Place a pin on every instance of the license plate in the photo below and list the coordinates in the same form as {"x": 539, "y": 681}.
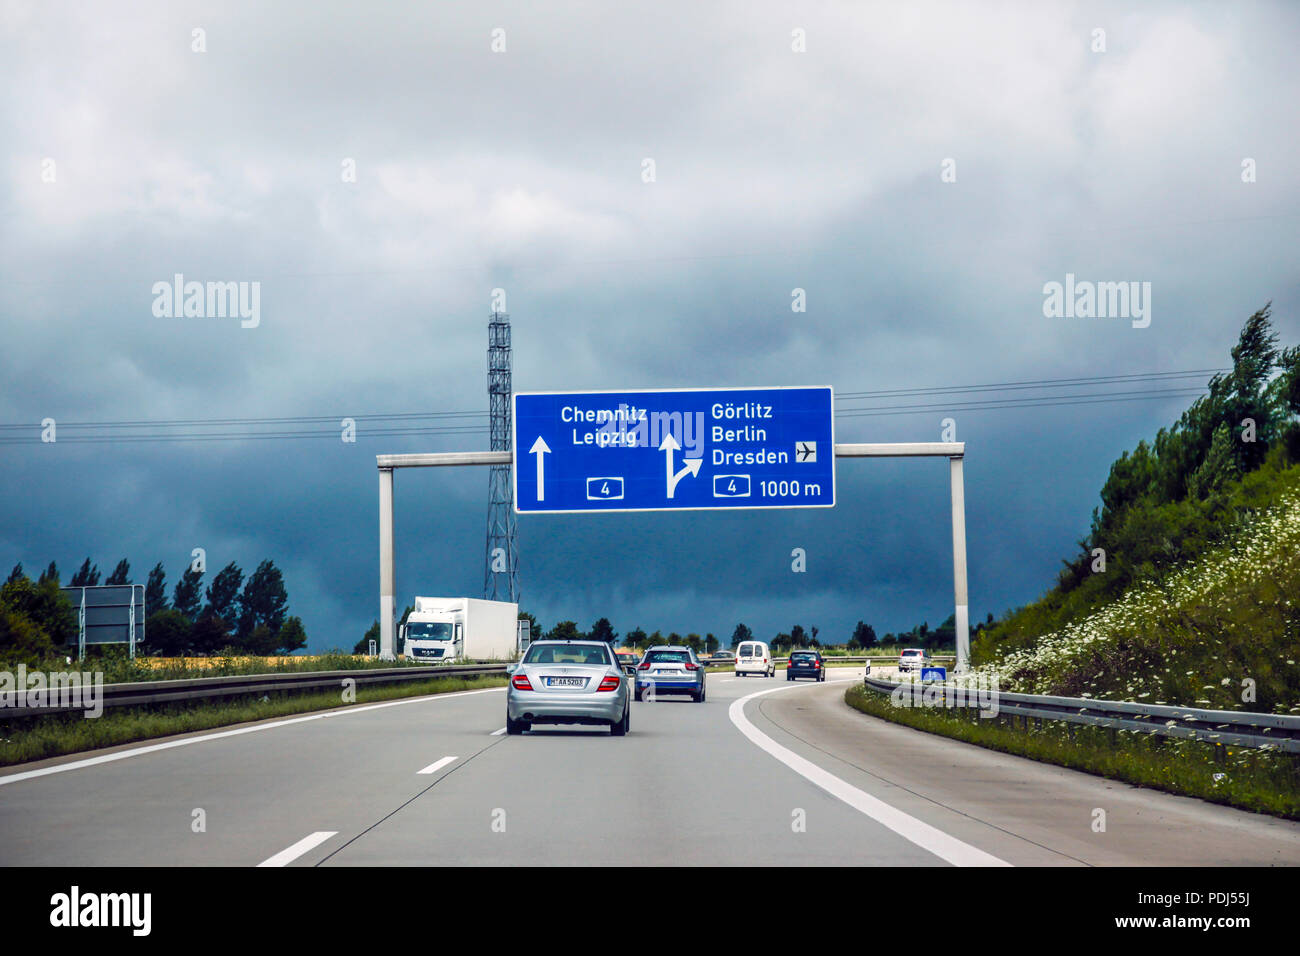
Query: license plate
{"x": 669, "y": 670}
{"x": 566, "y": 682}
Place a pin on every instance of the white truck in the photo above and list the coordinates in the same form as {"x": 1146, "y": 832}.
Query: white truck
{"x": 460, "y": 629}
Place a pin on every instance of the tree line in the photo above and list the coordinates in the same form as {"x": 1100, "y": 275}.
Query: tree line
{"x": 863, "y": 636}
{"x": 233, "y": 613}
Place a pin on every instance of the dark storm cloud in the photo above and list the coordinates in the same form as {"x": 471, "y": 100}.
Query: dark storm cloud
{"x": 522, "y": 170}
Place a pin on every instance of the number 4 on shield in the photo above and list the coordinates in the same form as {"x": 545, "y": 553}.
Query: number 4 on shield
{"x": 731, "y": 486}
{"x": 604, "y": 489}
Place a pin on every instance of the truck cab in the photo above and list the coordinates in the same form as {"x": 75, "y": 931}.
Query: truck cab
{"x": 433, "y": 635}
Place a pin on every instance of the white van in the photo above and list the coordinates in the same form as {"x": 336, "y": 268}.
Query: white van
{"x": 754, "y": 657}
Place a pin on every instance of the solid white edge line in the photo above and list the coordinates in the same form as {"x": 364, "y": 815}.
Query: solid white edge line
{"x": 437, "y": 765}
{"x": 928, "y": 838}
{"x": 288, "y": 855}
{"x": 137, "y": 751}
{"x": 497, "y": 733}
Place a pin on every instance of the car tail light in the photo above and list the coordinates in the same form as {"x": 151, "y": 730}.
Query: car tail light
{"x": 644, "y": 667}
{"x": 609, "y": 683}
{"x": 692, "y": 667}
{"x": 816, "y": 664}
{"x": 520, "y": 682}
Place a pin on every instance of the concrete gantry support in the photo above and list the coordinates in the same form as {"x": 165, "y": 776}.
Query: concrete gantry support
{"x": 387, "y": 579}
{"x": 953, "y": 451}
{"x": 387, "y": 575}
{"x": 961, "y": 620}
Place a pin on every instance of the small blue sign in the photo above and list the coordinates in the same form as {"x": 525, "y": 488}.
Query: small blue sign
{"x": 674, "y": 449}
{"x": 934, "y": 673}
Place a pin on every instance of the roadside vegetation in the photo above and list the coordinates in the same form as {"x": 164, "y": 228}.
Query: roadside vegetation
{"x": 1267, "y": 781}
{"x": 1186, "y": 590}
{"x": 118, "y": 668}
{"x": 54, "y": 735}
{"x": 38, "y": 624}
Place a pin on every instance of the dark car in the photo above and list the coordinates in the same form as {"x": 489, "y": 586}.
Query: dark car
{"x": 806, "y": 664}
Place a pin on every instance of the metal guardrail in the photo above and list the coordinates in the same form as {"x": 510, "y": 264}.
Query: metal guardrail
{"x": 1238, "y": 728}
{"x": 833, "y": 658}
{"x": 142, "y": 693}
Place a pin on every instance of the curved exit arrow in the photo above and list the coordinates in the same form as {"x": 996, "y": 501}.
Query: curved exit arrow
{"x": 669, "y": 445}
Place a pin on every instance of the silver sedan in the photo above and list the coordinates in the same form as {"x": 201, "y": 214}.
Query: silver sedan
{"x": 568, "y": 682}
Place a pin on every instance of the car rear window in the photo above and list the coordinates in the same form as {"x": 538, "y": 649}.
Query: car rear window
{"x": 803, "y": 656}
{"x": 660, "y": 657}
{"x": 911, "y": 653}
{"x": 746, "y": 650}
{"x": 574, "y": 654}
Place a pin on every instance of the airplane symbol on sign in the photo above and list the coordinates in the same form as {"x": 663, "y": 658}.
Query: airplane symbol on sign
{"x": 806, "y": 451}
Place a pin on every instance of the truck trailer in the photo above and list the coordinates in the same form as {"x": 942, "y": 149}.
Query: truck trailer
{"x": 440, "y": 630}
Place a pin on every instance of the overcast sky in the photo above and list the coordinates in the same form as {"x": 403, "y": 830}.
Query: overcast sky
{"x": 131, "y": 156}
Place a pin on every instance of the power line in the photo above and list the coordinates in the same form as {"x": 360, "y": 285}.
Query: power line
{"x": 1040, "y": 383}
{"x": 299, "y": 420}
{"x": 249, "y": 436}
{"x": 1028, "y": 403}
{"x": 457, "y": 422}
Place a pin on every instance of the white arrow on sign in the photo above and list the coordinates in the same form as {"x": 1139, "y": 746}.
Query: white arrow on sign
{"x": 669, "y": 444}
{"x": 540, "y": 448}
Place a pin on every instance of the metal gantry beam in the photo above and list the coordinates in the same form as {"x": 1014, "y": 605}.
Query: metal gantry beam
{"x": 955, "y": 452}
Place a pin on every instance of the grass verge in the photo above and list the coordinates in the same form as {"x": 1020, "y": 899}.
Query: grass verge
{"x": 118, "y": 668}
{"x": 36, "y": 738}
{"x": 1259, "y": 780}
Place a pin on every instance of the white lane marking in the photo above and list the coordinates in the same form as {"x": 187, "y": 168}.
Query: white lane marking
{"x": 727, "y": 680}
{"x": 497, "y": 733}
{"x": 123, "y": 754}
{"x": 287, "y": 856}
{"x": 928, "y": 838}
{"x": 437, "y": 765}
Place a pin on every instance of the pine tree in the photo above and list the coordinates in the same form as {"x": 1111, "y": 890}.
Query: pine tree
{"x": 86, "y": 577}
{"x": 741, "y": 633}
{"x": 187, "y": 597}
{"x": 292, "y": 636}
{"x": 223, "y": 597}
{"x": 1219, "y": 466}
{"x": 264, "y": 600}
{"x": 121, "y": 574}
{"x": 363, "y": 645}
{"x": 155, "y": 591}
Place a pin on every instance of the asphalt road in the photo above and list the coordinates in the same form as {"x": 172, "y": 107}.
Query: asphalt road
{"x": 790, "y": 776}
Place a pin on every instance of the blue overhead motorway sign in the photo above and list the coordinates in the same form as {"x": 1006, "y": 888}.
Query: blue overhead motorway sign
{"x": 674, "y": 449}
